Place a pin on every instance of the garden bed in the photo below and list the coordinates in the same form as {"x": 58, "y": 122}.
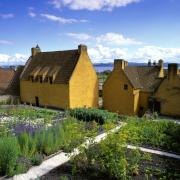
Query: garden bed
{"x": 155, "y": 167}
{"x": 160, "y": 135}
{"x": 29, "y": 136}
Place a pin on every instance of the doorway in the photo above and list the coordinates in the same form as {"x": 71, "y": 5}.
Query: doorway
{"x": 37, "y": 101}
{"x": 154, "y": 105}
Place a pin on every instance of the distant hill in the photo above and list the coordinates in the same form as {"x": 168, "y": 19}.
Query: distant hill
{"x": 109, "y": 66}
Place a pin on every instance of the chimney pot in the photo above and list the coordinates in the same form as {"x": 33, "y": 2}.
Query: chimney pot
{"x": 149, "y": 62}
{"x": 82, "y": 48}
{"x": 35, "y": 50}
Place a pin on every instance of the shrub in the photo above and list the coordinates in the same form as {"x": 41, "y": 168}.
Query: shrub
{"x": 9, "y": 151}
{"x": 108, "y": 158}
{"x": 90, "y": 114}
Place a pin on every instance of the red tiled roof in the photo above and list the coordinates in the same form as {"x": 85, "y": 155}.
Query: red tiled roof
{"x": 6, "y": 75}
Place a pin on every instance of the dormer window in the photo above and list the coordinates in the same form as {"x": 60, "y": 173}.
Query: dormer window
{"x": 50, "y": 80}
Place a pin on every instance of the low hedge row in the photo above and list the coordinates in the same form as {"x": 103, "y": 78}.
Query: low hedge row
{"x": 91, "y": 114}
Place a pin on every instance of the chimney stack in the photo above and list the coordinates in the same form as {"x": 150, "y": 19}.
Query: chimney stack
{"x": 161, "y": 66}
{"x": 172, "y": 71}
{"x": 149, "y": 62}
{"x": 120, "y": 64}
{"x": 154, "y": 63}
{"x": 35, "y": 50}
{"x": 82, "y": 48}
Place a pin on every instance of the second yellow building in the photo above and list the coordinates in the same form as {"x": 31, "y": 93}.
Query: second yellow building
{"x": 128, "y": 89}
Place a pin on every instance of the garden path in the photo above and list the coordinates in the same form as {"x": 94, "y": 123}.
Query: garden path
{"x": 152, "y": 151}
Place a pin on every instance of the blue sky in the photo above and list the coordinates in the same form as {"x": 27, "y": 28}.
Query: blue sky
{"x": 136, "y": 30}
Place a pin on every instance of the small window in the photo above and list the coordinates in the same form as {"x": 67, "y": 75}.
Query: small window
{"x": 125, "y": 87}
{"x": 40, "y": 78}
{"x": 50, "y": 80}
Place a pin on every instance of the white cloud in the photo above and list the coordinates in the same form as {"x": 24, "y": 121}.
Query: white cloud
{"x": 116, "y": 39}
{"x": 102, "y": 54}
{"x": 16, "y": 59}
{"x": 7, "y": 16}
{"x": 113, "y": 39}
{"x": 91, "y": 5}
{"x": 5, "y": 42}
{"x": 156, "y": 53}
{"x": 31, "y": 12}
{"x": 105, "y": 54}
{"x": 62, "y": 20}
{"x": 79, "y": 36}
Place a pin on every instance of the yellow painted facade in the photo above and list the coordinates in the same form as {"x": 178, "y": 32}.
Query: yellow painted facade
{"x": 115, "y": 98}
{"x": 83, "y": 85}
{"x": 50, "y": 95}
{"x": 81, "y": 91}
{"x": 168, "y": 93}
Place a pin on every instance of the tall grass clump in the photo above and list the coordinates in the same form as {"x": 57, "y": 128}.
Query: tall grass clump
{"x": 9, "y": 152}
{"x": 91, "y": 114}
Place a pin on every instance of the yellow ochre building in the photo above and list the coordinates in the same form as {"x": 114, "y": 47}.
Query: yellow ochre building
{"x": 168, "y": 93}
{"x": 132, "y": 90}
{"x": 60, "y": 79}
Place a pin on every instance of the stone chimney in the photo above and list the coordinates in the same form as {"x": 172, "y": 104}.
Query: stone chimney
{"x": 120, "y": 64}
{"x": 149, "y": 62}
{"x": 35, "y": 50}
{"x": 154, "y": 63}
{"x": 172, "y": 71}
{"x": 161, "y": 71}
{"x": 82, "y": 48}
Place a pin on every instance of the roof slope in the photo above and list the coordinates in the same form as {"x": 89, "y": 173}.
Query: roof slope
{"x": 143, "y": 77}
{"x": 61, "y": 62}
{"x": 6, "y": 75}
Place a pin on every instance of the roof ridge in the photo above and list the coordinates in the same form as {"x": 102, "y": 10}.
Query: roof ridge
{"x": 58, "y": 51}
